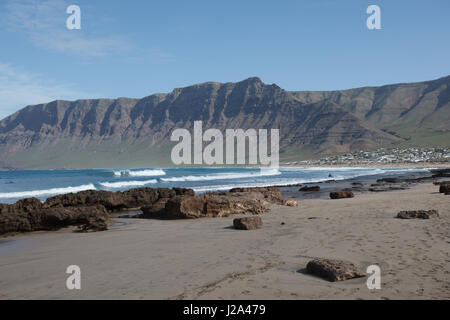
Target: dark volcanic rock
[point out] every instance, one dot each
(248, 223)
(419, 214)
(444, 188)
(79, 208)
(53, 219)
(99, 223)
(333, 270)
(271, 194)
(115, 201)
(237, 201)
(308, 189)
(341, 194)
(21, 206)
(214, 205)
(155, 210)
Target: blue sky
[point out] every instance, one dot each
(139, 47)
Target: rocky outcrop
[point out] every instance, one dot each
(341, 194)
(419, 214)
(21, 206)
(93, 217)
(116, 201)
(99, 223)
(87, 209)
(236, 201)
(271, 194)
(211, 205)
(333, 270)
(248, 223)
(309, 189)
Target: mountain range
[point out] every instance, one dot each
(125, 132)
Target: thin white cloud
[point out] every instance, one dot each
(19, 89)
(44, 22)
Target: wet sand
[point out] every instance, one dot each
(207, 259)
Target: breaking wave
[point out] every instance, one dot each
(122, 184)
(53, 191)
(140, 173)
(224, 176)
(338, 174)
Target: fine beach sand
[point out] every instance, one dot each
(207, 259)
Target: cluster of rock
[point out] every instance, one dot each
(404, 183)
(116, 201)
(87, 209)
(236, 201)
(90, 209)
(30, 215)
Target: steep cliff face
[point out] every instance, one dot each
(136, 132)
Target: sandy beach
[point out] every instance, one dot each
(207, 259)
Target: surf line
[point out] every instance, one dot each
(235, 146)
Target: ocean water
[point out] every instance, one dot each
(15, 185)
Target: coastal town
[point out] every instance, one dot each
(383, 156)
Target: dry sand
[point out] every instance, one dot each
(206, 259)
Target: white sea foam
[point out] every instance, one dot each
(367, 169)
(122, 184)
(140, 173)
(224, 176)
(53, 191)
(280, 182)
(338, 174)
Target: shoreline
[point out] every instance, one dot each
(331, 179)
(206, 189)
(362, 165)
(187, 259)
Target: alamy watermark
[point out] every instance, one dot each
(73, 282)
(73, 22)
(374, 20)
(190, 149)
(374, 280)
